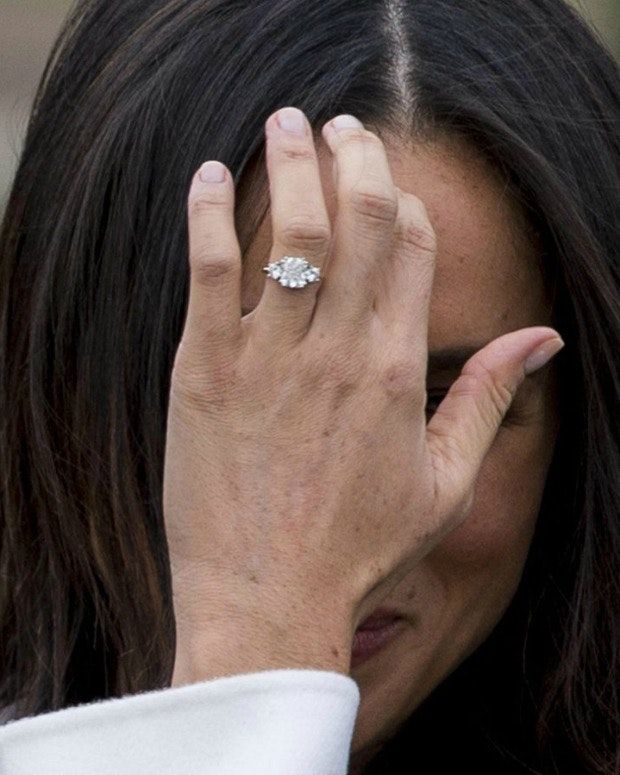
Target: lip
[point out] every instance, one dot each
(369, 640)
(379, 618)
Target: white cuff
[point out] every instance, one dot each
(273, 722)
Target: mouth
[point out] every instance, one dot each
(379, 618)
(374, 633)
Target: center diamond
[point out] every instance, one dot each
(293, 270)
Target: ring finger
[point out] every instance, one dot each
(300, 223)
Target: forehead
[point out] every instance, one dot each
(487, 277)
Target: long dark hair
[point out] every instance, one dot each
(93, 288)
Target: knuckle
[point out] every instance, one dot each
(196, 385)
(186, 387)
(401, 377)
(296, 153)
(336, 370)
(331, 371)
(418, 236)
(476, 374)
(352, 136)
(377, 203)
(206, 202)
(207, 266)
(359, 136)
(372, 138)
(306, 231)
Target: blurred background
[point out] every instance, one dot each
(28, 28)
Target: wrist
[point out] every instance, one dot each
(237, 648)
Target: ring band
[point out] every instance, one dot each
(293, 272)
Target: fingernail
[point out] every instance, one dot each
(542, 355)
(292, 120)
(346, 121)
(213, 172)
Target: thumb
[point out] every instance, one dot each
(465, 424)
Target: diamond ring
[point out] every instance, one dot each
(293, 272)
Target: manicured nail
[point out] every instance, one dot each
(542, 355)
(213, 172)
(346, 121)
(292, 120)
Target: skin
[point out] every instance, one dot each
(487, 283)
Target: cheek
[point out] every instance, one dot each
(508, 493)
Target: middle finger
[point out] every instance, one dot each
(300, 225)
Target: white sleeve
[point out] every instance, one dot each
(280, 722)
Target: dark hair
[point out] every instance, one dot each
(93, 290)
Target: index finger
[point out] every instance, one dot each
(213, 320)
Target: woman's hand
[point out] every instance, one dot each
(301, 477)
